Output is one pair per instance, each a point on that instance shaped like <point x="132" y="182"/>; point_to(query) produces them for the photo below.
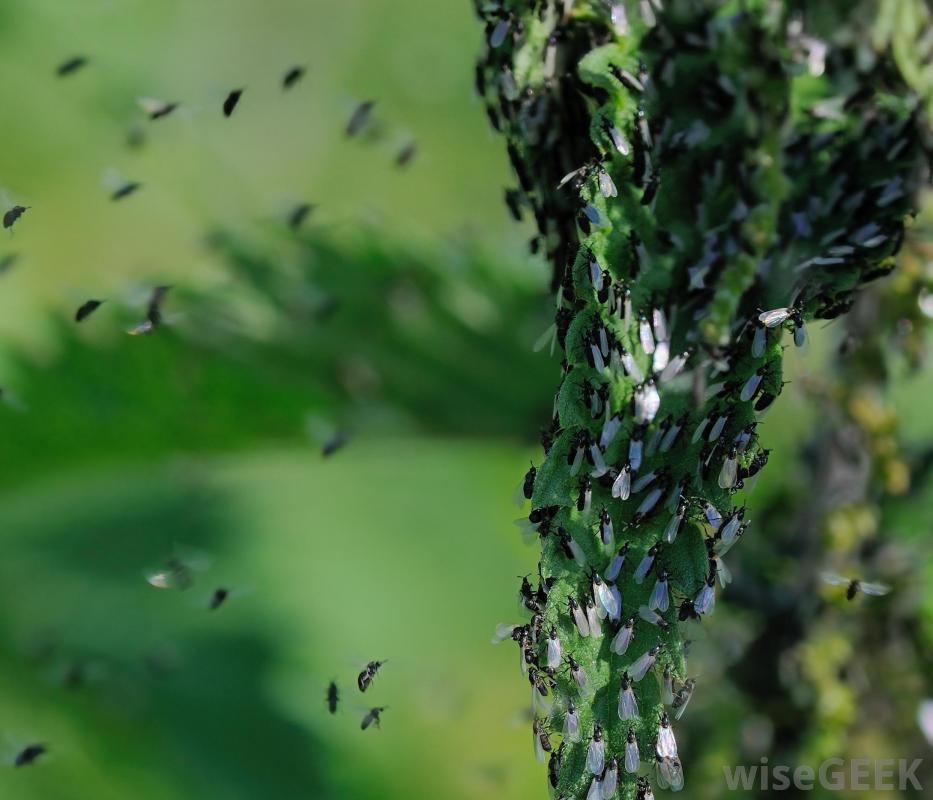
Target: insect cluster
<point x="683" y="245"/>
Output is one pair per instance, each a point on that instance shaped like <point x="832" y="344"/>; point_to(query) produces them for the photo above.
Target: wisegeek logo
<point x="834" y="774"/>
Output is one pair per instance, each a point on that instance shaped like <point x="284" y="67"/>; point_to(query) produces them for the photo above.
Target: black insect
<point x="360" y="117"/>
<point x="528" y="487"/>
<point x="157" y="109"/>
<point x="71" y="66"/>
<point x="365" y="678"/>
<point x="298" y="215"/>
<point x="333" y="697"/>
<point x="218" y="598"/>
<point x="153" y="312"/>
<point x="292" y="77"/>
<point x="86" y="309"/>
<point x="14" y="214"/>
<point x="335" y="443"/>
<point x="406" y="154"/>
<point x="125" y="190"/>
<point x="231" y="102"/>
<point x="29" y="754"/>
<point x="372" y="716"/>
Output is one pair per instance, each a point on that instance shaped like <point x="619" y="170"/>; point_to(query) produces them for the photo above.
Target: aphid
<point x="656" y="437"/>
<point x="615" y="566"/>
<point x="616" y="137"/>
<point x="632" y="758"/>
<point x="622" y="485"/>
<point x="359" y="118"/>
<point x="645" y="662"/>
<point x="700" y="429"/>
<point x="553" y="650"/>
<point x="231" y="101"/>
<point x="765" y="401"/>
<point x="645" y="336"/>
<point x="606" y="603"/>
<point x="716" y="431"/>
<point x="571" y="547"/>
<point x="585" y="497"/>
<point x="29" y="754"/>
<point x="596" y="752"/>
<point x="775" y="317"/>
<point x="298" y="215"/>
<point x="595" y="792"/>
<point x="800" y="331"/>
<point x="336" y="442"/>
<point x="759" y="340"/>
<point x="644" y="790"/>
<point x="71" y="66"/>
<point x="649" y="502"/>
<point x="662" y="354"/>
<point x="610" y="429"/>
<point x="670" y="438"/>
<point x="666" y="745"/>
<point x="553" y="765"/>
<point x="653" y="617"/>
<point x="644" y="567"/>
<point x="670" y="774"/>
<point x="592" y="213"/>
<point x="673" y="527"/>
<point x="646" y="480"/>
<point x="578" y="615"/>
<point x="14" y="214"/>
<point x="712" y="515"/>
<point x="541" y="739"/>
<point x="751" y="385"/>
<point x="86" y="309"/>
<point x="660" y="596"/>
<point x="406" y="154"/>
<point x="292" y="77"/>
<point x="651" y="189"/>
<point x="706" y="597"/>
<point x="218" y="597"/>
<point x="606" y="533"/>
<point x="855" y="586"/>
<point x="156" y="109"/>
<point x="528" y="485"/>
<point x="630" y="366"/>
<point x="606" y="186"/>
<point x="624" y="637"/>
<point x="124" y="190"/>
<point x="647" y="401"/>
<point x="176" y="574"/>
<point x="592" y="619"/>
<point x="610" y="779"/>
<point x="667" y="686"/>
<point x="636" y="449"/>
<point x="682" y="697"/>
<point x="365" y="678"/>
<point x="674" y="367"/>
<point x="628" y="705"/>
<point x="578" y="675"/>
<point x="372" y="716"/>
<point x="571" y="729"/>
<point x="728" y="475"/>
<point x="499" y="32"/>
<point x="333" y="697"/>
<point x="727" y="533"/>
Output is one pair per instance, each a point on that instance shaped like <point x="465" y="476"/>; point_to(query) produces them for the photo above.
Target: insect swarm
<point x="650" y="422"/>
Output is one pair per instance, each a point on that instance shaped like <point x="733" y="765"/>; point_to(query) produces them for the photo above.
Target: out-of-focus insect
<point x="628" y="705"/>
<point x="153" y="312"/>
<point x="333" y="697"/>
<point x="632" y="758"/>
<point x="124" y="190"/>
<point x="231" y="101"/>
<point x="71" y="66"/>
<point x="373" y="716"/>
<point x="298" y="215"/>
<point x="652" y="617"/>
<point x="644" y="662"/>
<point x="178" y="572"/>
<point x="10" y="217"/>
<point x="365" y="678"/>
<point x="29" y="754"/>
<point x="854" y="585"/>
<point x="750" y="389"/>
<point x="335" y="443"/>
<point x="670" y="774"/>
<point x="359" y="118"/>
<point x="777" y="316"/>
<point x="86" y="309"/>
<point x="682" y="697"/>
<point x="644" y="790"/>
<point x="405" y="154"/>
<point x="7" y="262"/>
<point x="292" y="77"/>
<point x="571" y="729"/>
<point x="218" y="598"/>
<point x="666" y="745"/>
<point x="156" y="109"/>
<point x="595" y="792"/>
<point x="667" y="686"/>
<point x="596" y="752"/>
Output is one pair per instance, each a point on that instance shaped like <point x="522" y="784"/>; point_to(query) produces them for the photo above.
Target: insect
<point x="660" y="596"/>
<point x="632" y="757"/>
<point x="553" y="649"/>
<point x="647" y="563"/>
<point x="359" y="118"/>
<point x="553" y="765"/>
<point x="578" y="615"/>
<point x="777" y="316"/>
<point x="7" y="262"/>
<point x="541" y="738"/>
<point x="596" y="752"/>
<point x="333" y="697"/>
<point x="666" y="745"/>
<point x="335" y="443"/>
<point x="624" y="637"/>
<point x="373" y="716"/>
<point x="622" y="485"/>
<point x="644" y="663"/>
<point x="29" y="754"/>
<point x="124" y="190"/>
<point x="578" y="675"/>
<point x="644" y="790"/>
<point x="628" y="705"/>
<point x="854" y="586"/>
<point x="153" y="312"/>
<point x="682" y="697"/>
<point x="218" y="597"/>
<point x="86" y="309"/>
<point x="298" y="215"/>
<point x="405" y="154"/>
<point x="231" y="102"/>
<point x="292" y="77"/>
<point x="178" y="572"/>
<point x="610" y="779"/>
<point x="10" y="217"/>
<point x="365" y="678"/>
<point x="71" y="66"/>
<point x="571" y="729"/>
<point x="528" y="486"/>
<point x="156" y="109"/>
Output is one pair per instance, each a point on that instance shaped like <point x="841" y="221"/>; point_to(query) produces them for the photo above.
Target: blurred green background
<point x="403" y="313"/>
